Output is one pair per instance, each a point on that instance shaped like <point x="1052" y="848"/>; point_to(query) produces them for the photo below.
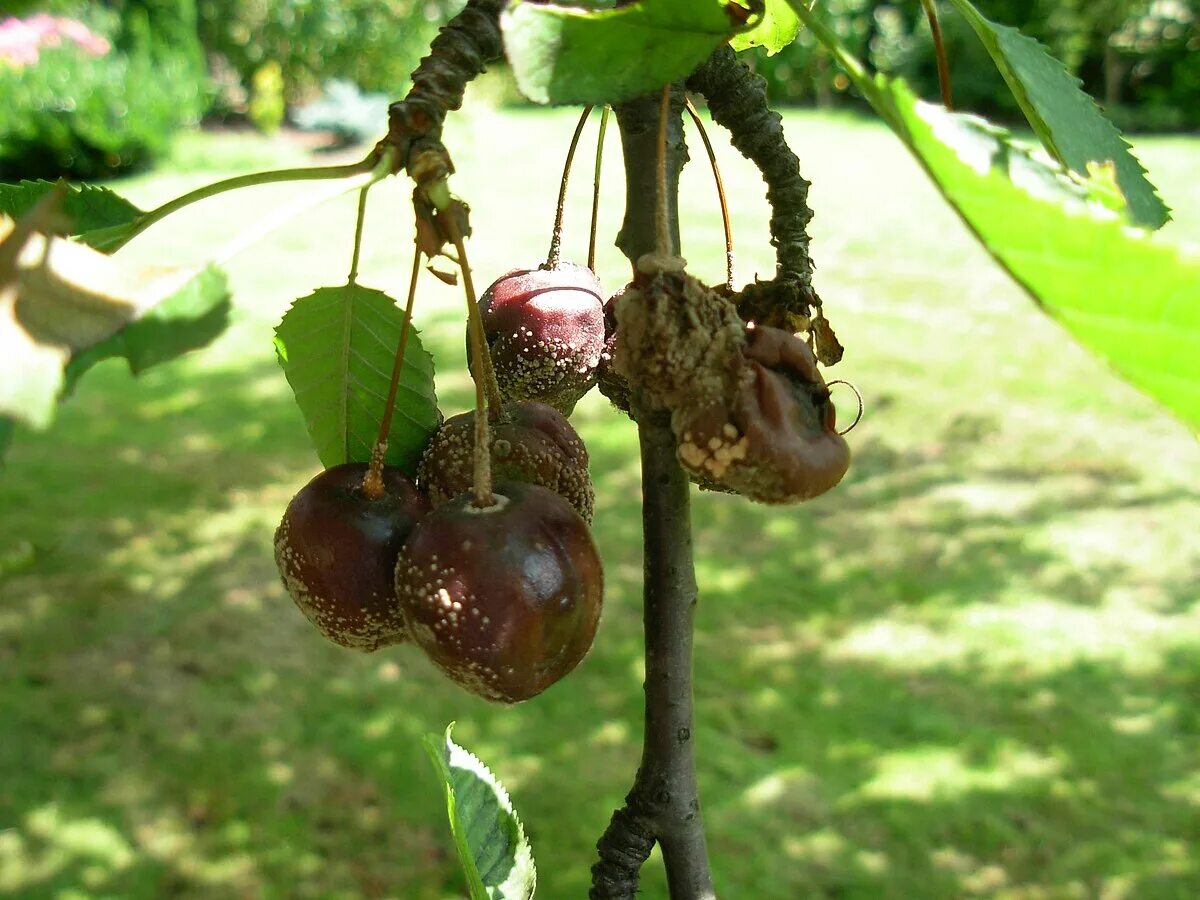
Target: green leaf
<point x="1127" y="295"/>
<point x="563" y="54"/>
<point x="1065" y="119"/>
<point x="88" y="208"/>
<point x="191" y="318"/>
<point x="492" y="848"/>
<point x="337" y="347"/>
<point x="1124" y="292"/>
<point x="776" y="30"/>
<point x="62" y="301"/>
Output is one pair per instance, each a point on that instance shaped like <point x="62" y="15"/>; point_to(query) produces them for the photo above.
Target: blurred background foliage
<point x="97" y="107"/>
<point x="92" y="89"/>
<point x="1139" y="58"/>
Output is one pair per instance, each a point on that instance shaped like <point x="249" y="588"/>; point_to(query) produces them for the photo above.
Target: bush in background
<point x="1140" y="58"/>
<point x="89" y="102"/>
<point x="373" y="43"/>
<point x="350" y="115"/>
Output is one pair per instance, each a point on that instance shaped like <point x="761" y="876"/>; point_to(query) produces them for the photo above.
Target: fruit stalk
<point x="663" y="805"/>
<point x="639" y="137"/>
<point x="721" y="198"/>
<point x="373" y="485"/>
<point x="939" y="47"/>
<point x="591" y="263"/>
<point x="482" y="376"/>
<point x="555" y="253"/>
<point x="737" y="100"/>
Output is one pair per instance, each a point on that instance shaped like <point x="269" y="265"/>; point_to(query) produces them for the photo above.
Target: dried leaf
<point x="450" y="278"/>
<point x="827" y="347"/>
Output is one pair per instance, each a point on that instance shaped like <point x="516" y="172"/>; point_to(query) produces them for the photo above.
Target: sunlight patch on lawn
<point x="931" y="772"/>
<point x="1186" y="789"/>
<point x="772" y="789"/>
<point x="1005" y="498"/>
<point x="1105" y="537"/>
<point x="827" y="849"/>
<point x="1032" y="637"/>
<point x="52" y="842"/>
<point x="976" y="878"/>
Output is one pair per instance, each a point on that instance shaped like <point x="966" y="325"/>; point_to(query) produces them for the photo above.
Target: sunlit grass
<point x="971" y="670"/>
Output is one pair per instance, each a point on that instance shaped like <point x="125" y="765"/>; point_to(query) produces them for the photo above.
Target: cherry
<point x="775" y="440"/>
<point x="545" y="331"/>
<point x="505" y="599"/>
<point x="336" y="551"/>
<point x="750" y="410"/>
<point x="533" y="443"/>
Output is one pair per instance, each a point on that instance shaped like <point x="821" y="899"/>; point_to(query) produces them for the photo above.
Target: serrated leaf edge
<point x="1037" y="121"/>
<point x="352" y="390"/>
<point x="443" y="749"/>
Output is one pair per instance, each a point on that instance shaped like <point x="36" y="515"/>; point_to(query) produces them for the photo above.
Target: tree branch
<point x="461" y="50"/>
<point x="663" y="803"/>
<point x="737" y="99"/>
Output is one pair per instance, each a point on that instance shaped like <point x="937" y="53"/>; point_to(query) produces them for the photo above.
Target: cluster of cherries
<point x="502" y="592"/>
<point x="505" y="596"/>
<point x="487" y="562"/>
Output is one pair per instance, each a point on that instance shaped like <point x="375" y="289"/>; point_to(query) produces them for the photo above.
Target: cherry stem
<point x="943" y="65"/>
<point x="373" y="481"/>
<point x="596" y="188"/>
<point x="358" y="233"/>
<point x="712" y="159"/>
<point x="556" y="235"/>
<point x="662" y="230"/>
<point x="482" y="374"/>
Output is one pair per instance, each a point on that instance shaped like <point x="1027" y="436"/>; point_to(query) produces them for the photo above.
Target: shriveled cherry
<point x="533" y="443"/>
<point x="505" y="599"/>
<point x="776" y="439"/>
<point x="336" y="549"/>
<point x="612" y="384"/>
<point x="545" y="331"/>
<point x="749" y="407"/>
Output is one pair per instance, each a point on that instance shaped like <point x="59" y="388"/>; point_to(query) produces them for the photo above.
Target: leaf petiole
<point x="377" y="165"/>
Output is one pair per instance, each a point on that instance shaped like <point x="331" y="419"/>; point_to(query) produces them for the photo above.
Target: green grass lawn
<point x="972" y="670"/>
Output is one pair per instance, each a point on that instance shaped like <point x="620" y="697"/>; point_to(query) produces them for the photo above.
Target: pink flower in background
<point x="21" y="39"/>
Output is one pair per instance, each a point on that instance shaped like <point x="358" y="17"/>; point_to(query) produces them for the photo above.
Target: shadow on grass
<point x="898" y="691"/>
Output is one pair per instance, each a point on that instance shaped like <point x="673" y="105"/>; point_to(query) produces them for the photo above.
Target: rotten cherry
<point x="532" y="442"/>
<point x="505" y="598"/>
<point x="545" y="331"/>
<point x="336" y="550"/>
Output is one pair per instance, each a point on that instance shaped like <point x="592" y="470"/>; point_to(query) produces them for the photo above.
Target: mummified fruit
<point x="545" y="331"/>
<point x="505" y="599"/>
<point x="612" y="384"/>
<point x="533" y="443"/>
<point x="749" y="408"/>
<point x="776" y="439"/>
<point x="336" y="550"/>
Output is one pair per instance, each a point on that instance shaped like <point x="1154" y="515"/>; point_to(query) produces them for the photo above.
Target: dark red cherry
<point x="534" y="443"/>
<point x="505" y="599"/>
<point x="545" y="331"/>
<point x="336" y="550"/>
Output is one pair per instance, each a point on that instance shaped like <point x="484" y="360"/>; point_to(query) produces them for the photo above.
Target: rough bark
<point x="461" y="50"/>
<point x="737" y="99"/>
